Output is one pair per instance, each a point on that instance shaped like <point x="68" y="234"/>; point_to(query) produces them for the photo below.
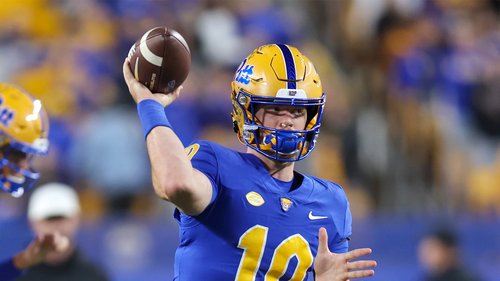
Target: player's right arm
<point x="174" y="178"/>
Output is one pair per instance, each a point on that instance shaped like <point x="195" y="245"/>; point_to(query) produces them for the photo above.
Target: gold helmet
<point x="24" y="131"/>
<point x="279" y="75"/>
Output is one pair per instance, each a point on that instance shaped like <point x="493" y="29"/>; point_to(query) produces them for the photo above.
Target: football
<point x="160" y="59"/>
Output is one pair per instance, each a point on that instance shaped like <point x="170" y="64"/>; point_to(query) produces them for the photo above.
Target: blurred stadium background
<point x="411" y="129"/>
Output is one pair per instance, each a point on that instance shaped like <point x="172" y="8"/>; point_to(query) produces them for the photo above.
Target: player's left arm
<point x="329" y="266"/>
<point x="333" y="260"/>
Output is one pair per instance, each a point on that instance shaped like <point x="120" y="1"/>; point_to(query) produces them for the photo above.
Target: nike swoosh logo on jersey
<point x="313" y="217"/>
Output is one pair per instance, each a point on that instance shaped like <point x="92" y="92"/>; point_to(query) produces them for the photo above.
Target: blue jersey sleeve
<point x="8" y="271"/>
<point x="342" y="217"/>
<point x="203" y="158"/>
<point x="341" y="244"/>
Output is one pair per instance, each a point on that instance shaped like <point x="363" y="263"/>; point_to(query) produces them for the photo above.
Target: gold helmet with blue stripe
<point x="279" y="75"/>
<point x="24" y="131"/>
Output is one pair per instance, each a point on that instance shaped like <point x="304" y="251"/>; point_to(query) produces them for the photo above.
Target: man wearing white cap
<point x="55" y="207"/>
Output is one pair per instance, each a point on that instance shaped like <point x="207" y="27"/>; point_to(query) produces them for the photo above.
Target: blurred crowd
<point x="412" y="122"/>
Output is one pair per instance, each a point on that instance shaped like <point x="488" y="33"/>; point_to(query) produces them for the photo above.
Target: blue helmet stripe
<point x="290" y="66"/>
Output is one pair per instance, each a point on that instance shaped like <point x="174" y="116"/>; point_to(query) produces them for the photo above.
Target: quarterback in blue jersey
<point x="250" y="216"/>
<point x="23" y="134"/>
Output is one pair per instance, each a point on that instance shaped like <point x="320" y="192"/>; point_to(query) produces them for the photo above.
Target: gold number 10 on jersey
<point x="253" y="242"/>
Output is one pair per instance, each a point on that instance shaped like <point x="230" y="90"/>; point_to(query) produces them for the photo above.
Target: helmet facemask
<point x="278" y="144"/>
<point x="13" y="178"/>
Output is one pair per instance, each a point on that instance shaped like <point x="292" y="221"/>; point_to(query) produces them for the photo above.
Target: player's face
<point x="282" y="117"/>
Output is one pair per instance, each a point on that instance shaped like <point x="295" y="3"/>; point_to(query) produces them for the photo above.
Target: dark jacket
<point x="76" y="268"/>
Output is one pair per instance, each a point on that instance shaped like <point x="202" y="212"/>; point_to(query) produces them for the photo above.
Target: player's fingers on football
<point x="129" y="77"/>
<point x="172" y="96"/>
<point x="127" y="74"/>
<point x="177" y="91"/>
<point x="357" y="253"/>
<point x="361" y="264"/>
<point x="164" y="99"/>
<point x="323" y="241"/>
<point x="126" y="69"/>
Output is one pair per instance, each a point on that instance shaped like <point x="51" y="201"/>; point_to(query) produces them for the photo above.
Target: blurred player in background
<point x="55" y="207"/>
<point x="439" y="253"/>
<point x="24" y="129"/>
<point x="23" y="134"/>
<point x="250" y="216"/>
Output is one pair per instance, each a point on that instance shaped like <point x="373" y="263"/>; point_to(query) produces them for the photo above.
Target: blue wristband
<point x="152" y="114"/>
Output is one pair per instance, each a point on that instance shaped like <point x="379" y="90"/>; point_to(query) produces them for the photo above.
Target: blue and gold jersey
<point x="254" y="229"/>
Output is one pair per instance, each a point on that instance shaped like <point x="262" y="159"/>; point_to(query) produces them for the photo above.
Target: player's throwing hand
<point x="329" y="266"/>
<point x="140" y="92"/>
